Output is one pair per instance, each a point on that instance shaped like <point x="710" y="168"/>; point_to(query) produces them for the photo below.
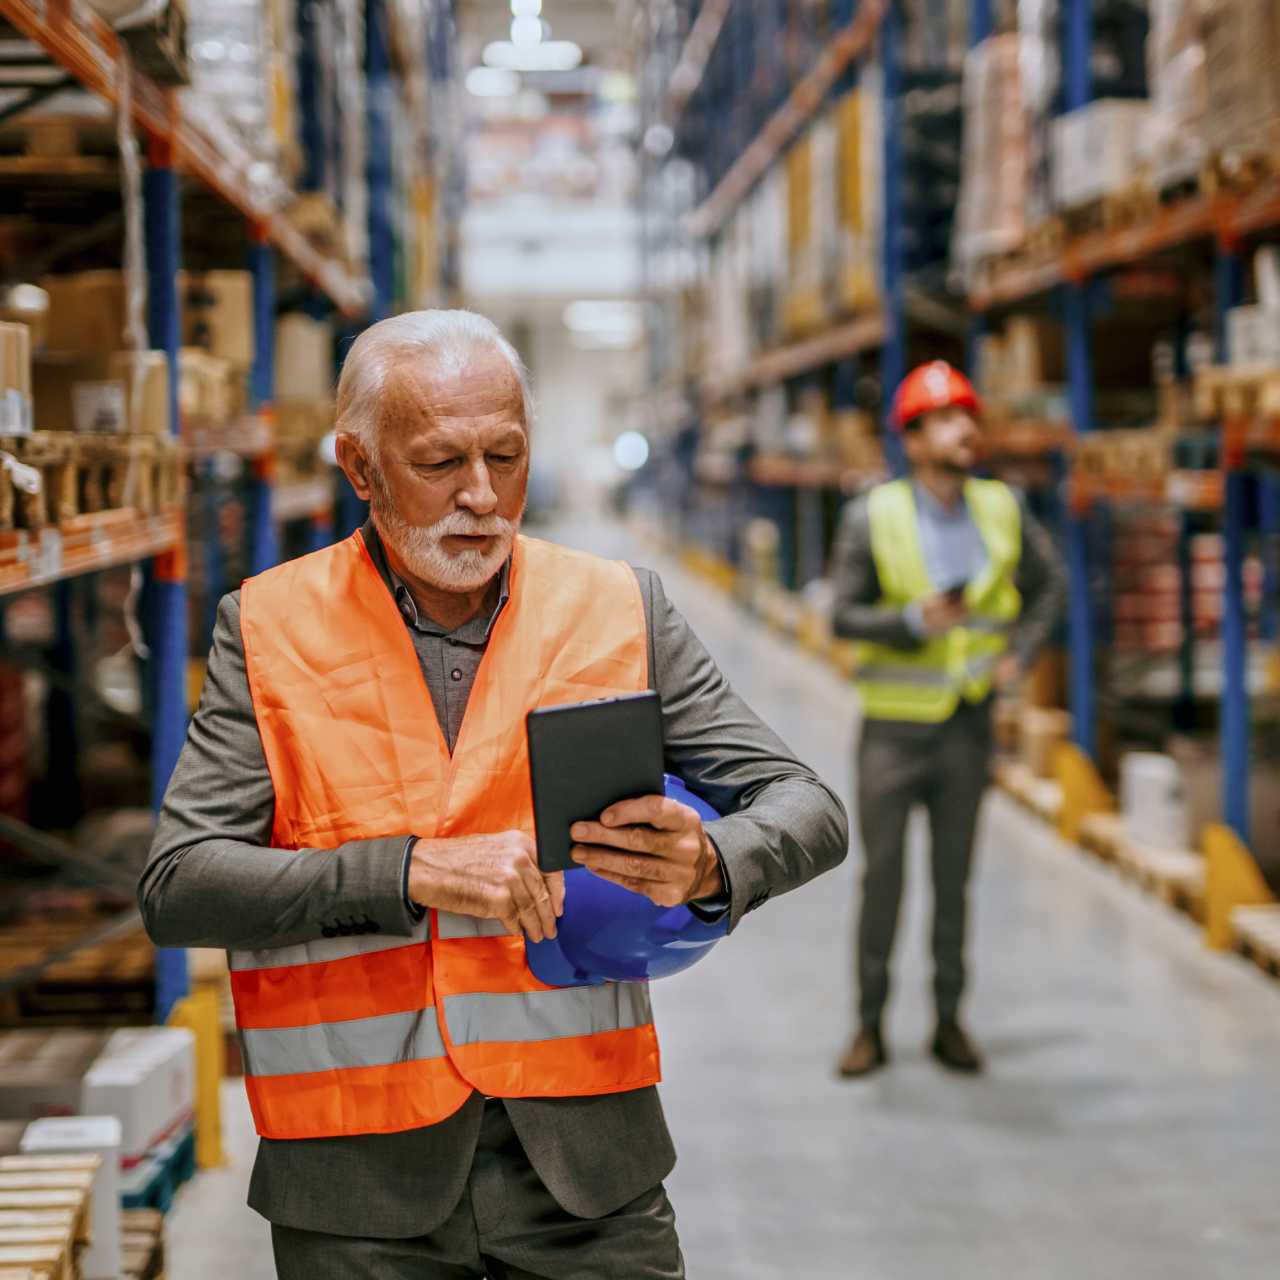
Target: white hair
<point x="445" y="339"/>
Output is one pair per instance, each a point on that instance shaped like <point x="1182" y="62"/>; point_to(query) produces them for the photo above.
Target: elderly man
<point x="351" y="819"/>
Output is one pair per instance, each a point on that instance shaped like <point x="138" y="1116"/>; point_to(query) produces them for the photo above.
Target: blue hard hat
<point x="609" y="934"/>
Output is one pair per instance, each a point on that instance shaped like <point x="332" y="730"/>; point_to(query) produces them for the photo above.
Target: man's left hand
<point x="653" y="845"/>
<point x="1008" y="672"/>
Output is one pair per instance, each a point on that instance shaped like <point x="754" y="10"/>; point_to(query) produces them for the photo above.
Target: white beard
<point x="421" y="549"/>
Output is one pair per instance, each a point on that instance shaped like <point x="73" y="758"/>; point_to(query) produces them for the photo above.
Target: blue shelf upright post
<point x="1077" y="308"/>
<point x="893" y="360"/>
<point x="380" y="99"/>
<point x="1229" y="281"/>
<point x="167" y="638"/>
<point x="264" y="538"/>
<point x="979" y="21"/>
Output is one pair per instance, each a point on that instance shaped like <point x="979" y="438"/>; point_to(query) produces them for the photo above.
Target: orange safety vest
<point x="376" y="1034"/>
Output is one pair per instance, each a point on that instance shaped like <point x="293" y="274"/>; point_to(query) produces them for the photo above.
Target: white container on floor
<point x="97" y="1135"/>
<point x="1153" y="799"/>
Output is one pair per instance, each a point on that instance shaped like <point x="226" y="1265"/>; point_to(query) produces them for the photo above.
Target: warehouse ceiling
<point x="592" y="24"/>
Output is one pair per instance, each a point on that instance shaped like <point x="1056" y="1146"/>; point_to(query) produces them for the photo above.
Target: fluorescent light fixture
<point x="631" y="451"/>
<point x="616" y="320"/>
<point x="492" y="82"/>
<point x="526" y="8"/>
<point x="550" y="55"/>
<point x="526" y="32"/>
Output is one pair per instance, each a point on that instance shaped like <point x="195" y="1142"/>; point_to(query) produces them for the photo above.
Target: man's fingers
<point x="634" y="839"/>
<point x="663" y="895"/>
<point x="654" y="811"/>
<point x="555" y="886"/>
<point x="633" y="866"/>
<point x="539" y="902"/>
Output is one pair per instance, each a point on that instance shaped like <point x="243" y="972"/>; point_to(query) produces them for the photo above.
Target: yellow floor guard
<point x="1083" y="791"/>
<point x="1232" y="879"/>
<point x="198" y="1012"/>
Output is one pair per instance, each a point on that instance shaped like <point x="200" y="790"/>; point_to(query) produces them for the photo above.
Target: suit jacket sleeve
<point x="857" y="613"/>
<point x="212" y="879"/>
<point x="1042" y="582"/>
<point x="783" y="825"/>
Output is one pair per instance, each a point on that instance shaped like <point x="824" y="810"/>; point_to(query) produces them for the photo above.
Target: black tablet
<point x="585" y="756"/>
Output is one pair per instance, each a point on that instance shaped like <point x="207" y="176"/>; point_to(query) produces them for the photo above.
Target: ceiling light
<point x="631" y="451"/>
<point x="492" y="82"/>
<point x="526" y="8"/>
<point x="550" y="55"/>
<point x="526" y="32"/>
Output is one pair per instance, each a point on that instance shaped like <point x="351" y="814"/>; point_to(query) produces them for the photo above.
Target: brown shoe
<point x="954" y="1050"/>
<point x="866" y="1053"/>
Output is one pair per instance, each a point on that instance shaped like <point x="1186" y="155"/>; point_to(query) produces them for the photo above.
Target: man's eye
<point x="503" y="457"/>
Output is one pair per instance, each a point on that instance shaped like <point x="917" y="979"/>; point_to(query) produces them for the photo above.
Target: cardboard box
<point x="204" y="386"/>
<point x="86" y="311"/>
<point x="15" y="379"/>
<point x="217" y="314"/>
<point x="74" y="392"/>
<point x="145" y="1076"/>
<point x="304" y="358"/>
<point x="42" y="1072"/>
<point x="306" y="420"/>
<point x="144" y="375"/>
<point x="1096" y="149"/>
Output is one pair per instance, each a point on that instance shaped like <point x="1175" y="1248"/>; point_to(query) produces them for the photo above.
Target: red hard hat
<point x="935" y="385"/>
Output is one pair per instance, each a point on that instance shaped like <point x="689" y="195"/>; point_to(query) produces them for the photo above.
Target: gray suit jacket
<point x="211" y="881"/>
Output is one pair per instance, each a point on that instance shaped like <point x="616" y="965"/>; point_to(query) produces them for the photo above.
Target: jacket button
<point x="329" y="932"/>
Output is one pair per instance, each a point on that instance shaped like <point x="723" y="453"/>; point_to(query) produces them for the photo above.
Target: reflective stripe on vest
<point x="374" y="1034"/>
<point x="928" y="683"/>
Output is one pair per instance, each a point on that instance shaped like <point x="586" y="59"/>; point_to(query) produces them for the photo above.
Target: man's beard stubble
<point x="420" y="546"/>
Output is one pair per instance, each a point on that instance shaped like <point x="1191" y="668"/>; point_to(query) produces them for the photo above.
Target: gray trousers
<point x="944" y="768"/>
<point x="507" y="1226"/>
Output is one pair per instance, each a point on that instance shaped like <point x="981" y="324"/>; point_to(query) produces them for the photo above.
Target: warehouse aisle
<point x="1128" y="1126"/>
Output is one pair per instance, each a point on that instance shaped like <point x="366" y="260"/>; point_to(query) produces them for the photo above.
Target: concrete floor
<point x="1129" y="1125"/>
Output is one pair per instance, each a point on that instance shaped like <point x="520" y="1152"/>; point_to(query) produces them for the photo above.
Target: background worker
<point x="351" y="818"/>
<point x="951" y="588"/>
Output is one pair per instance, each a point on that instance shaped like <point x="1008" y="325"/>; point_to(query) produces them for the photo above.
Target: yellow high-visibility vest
<point x="927" y="684"/>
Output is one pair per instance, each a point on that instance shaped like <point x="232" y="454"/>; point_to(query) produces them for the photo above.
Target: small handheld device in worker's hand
<point x="585" y="756"/>
<point x="955" y="593"/>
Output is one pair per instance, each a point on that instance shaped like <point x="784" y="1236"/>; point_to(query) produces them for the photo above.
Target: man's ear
<point x="354" y="464"/>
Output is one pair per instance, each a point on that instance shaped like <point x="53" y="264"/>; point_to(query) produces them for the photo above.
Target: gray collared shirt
<point x="449" y="659"/>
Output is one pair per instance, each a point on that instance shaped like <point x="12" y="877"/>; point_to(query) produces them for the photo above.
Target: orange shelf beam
<point x="86" y="47"/>
<point x="776" y="366"/>
<point x="83" y="545"/>
<point x="800" y="107"/>
<point x="1229" y="216"/>
<point x="694" y="56"/>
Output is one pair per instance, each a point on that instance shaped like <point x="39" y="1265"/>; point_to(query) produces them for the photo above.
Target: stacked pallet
<point x="107" y="984"/>
<point x="44" y="1213"/>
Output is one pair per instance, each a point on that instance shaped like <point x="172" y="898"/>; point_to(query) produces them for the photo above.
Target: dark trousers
<point x="507" y="1226"/>
<point x="944" y="768"/>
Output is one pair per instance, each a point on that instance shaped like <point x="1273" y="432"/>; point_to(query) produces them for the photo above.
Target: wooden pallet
<point x="1175" y="876"/>
<point x="109" y="984"/>
<point x="1223" y="391"/>
<point x="1100" y="833"/>
<point x="1111" y="211"/>
<point x="86" y="474"/>
<point x="1257" y="933"/>
<point x="53" y="146"/>
<point x="142" y="1244"/>
<point x="44" y="1212"/>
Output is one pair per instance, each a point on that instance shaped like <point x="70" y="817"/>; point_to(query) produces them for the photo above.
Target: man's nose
<point x="477" y="493"/>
